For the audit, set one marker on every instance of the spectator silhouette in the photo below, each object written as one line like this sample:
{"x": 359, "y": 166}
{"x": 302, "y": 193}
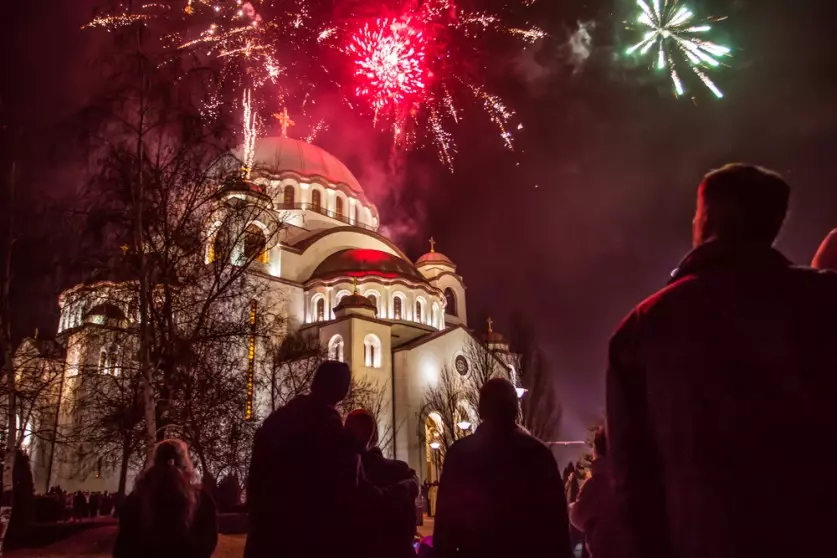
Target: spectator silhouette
{"x": 500, "y": 493}
{"x": 394, "y": 522}
{"x": 713, "y": 375}
{"x": 166, "y": 515}
{"x": 306, "y": 481}
{"x": 595, "y": 512}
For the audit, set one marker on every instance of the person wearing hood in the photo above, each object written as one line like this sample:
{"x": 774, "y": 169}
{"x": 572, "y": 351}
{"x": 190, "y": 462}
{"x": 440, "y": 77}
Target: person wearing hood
{"x": 394, "y": 519}
{"x": 734, "y": 361}
{"x": 595, "y": 512}
{"x": 501, "y": 492}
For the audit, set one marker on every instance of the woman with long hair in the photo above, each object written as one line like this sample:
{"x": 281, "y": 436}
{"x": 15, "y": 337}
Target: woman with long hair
{"x": 167, "y": 514}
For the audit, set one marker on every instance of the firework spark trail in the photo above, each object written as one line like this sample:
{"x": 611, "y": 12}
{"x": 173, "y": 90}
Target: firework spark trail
{"x": 250, "y": 133}
{"x": 670, "y": 30}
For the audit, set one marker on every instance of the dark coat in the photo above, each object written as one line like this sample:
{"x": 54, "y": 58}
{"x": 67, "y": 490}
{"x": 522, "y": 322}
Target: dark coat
{"x": 501, "y": 496}
{"x": 306, "y": 489}
{"x": 710, "y": 382}
{"x": 134, "y": 542}
{"x": 395, "y": 521}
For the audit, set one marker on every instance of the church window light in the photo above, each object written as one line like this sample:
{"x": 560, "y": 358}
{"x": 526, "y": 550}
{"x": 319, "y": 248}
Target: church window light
{"x": 418, "y": 311}
{"x": 335, "y": 348}
{"x": 288, "y": 195}
{"x": 372, "y": 351}
{"x": 450, "y": 302}
{"x": 338, "y": 206}
{"x": 255, "y": 244}
{"x": 316, "y": 200}
{"x": 396, "y": 308}
{"x": 320, "y": 308}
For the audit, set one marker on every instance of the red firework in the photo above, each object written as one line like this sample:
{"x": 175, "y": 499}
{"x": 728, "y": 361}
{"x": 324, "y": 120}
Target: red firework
{"x": 389, "y": 63}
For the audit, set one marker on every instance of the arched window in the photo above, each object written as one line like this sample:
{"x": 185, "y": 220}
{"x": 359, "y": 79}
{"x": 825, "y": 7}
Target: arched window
{"x": 396, "y": 308}
{"x": 418, "y": 311}
{"x": 450, "y": 302}
{"x": 288, "y": 195}
{"x": 335, "y": 348}
{"x": 320, "y": 309}
{"x": 316, "y": 200}
{"x": 338, "y": 206}
{"x": 109, "y": 360}
{"x": 255, "y": 244}
{"x": 372, "y": 351}
{"x": 220, "y": 248}
{"x": 436, "y": 318}
{"x": 373, "y": 298}
{"x": 354, "y": 213}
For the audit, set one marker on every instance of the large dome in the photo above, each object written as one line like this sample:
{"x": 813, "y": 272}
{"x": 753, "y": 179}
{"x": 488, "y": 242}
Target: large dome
{"x": 359, "y": 262}
{"x": 281, "y": 154}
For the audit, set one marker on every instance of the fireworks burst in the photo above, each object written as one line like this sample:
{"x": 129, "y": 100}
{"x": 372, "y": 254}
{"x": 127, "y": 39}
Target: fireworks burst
{"x": 389, "y": 60}
{"x": 670, "y": 30}
{"x": 415, "y": 65}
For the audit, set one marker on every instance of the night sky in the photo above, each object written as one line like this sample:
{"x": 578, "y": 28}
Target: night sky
{"x": 592, "y": 212}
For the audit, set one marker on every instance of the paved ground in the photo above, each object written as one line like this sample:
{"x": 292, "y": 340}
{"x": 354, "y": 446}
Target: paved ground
{"x": 98, "y": 543}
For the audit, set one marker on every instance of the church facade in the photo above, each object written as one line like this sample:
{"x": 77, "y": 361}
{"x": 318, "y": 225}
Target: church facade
{"x": 396, "y": 322}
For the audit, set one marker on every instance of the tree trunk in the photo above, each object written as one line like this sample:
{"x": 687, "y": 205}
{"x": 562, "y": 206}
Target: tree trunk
{"x": 123, "y": 468}
{"x": 8, "y": 367}
{"x": 139, "y": 246}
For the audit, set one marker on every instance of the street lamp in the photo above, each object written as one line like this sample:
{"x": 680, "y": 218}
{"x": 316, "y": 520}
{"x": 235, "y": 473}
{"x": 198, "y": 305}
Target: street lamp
{"x": 464, "y": 425}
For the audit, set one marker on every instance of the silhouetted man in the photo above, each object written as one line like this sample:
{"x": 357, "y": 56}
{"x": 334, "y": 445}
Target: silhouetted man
{"x": 732, "y": 364}
{"x": 393, "y": 519}
{"x": 501, "y": 493}
{"x": 303, "y": 486}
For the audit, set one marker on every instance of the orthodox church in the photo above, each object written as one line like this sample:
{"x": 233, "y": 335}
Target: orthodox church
{"x": 394, "y": 321}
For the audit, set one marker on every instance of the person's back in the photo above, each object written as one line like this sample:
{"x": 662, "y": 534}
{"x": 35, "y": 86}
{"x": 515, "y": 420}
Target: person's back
{"x": 711, "y": 382}
{"x": 392, "y": 519}
{"x": 303, "y": 475}
{"x": 166, "y": 516}
{"x": 501, "y": 493}
{"x": 595, "y": 511}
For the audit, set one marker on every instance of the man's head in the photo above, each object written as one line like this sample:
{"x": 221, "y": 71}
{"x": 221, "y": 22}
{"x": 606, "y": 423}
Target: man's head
{"x": 742, "y": 204}
{"x": 361, "y": 425}
{"x": 498, "y": 402}
{"x": 331, "y": 382}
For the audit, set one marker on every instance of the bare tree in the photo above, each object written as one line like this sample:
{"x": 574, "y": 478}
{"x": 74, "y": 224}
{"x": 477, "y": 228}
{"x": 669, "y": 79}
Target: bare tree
{"x": 540, "y": 408}
{"x": 9, "y": 237}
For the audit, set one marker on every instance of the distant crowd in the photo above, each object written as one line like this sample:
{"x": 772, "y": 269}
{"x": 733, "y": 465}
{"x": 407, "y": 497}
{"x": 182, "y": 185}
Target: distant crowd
{"x": 79, "y": 505}
{"x": 718, "y": 442}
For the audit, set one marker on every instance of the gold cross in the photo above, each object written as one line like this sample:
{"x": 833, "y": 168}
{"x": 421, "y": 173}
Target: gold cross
{"x": 284, "y": 121}
{"x": 490, "y": 323}
{"x": 432, "y": 244}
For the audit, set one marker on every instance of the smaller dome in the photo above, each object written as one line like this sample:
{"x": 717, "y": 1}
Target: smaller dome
{"x": 434, "y": 258}
{"x": 355, "y": 300}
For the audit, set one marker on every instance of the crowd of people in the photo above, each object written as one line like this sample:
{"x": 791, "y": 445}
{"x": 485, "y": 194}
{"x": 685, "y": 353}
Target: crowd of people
{"x": 714, "y": 383}
{"x": 80, "y": 505}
